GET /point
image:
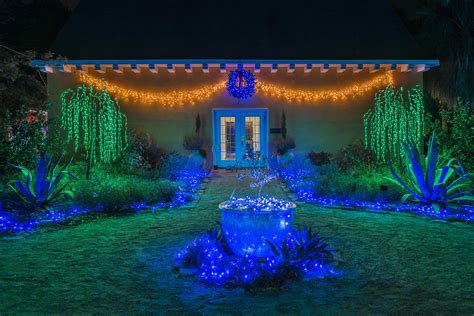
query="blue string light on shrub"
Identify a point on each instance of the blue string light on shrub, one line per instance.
(11, 224)
(302, 187)
(187, 175)
(241, 84)
(213, 262)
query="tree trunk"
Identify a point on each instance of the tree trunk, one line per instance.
(89, 163)
(88, 168)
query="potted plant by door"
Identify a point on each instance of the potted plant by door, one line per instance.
(195, 144)
(285, 145)
(284, 149)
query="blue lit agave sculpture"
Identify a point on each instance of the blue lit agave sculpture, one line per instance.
(241, 84)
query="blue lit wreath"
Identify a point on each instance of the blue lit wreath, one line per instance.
(241, 84)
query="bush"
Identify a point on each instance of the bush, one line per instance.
(178, 167)
(360, 186)
(300, 172)
(455, 132)
(142, 153)
(319, 158)
(193, 142)
(330, 181)
(305, 254)
(117, 191)
(285, 144)
(23, 137)
(355, 155)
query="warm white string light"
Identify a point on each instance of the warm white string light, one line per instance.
(192, 96)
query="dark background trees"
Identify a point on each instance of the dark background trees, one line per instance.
(27, 30)
(444, 28)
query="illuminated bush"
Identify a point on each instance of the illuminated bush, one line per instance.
(214, 263)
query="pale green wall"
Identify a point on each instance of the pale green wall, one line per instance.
(323, 126)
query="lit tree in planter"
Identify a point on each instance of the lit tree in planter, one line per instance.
(396, 119)
(92, 120)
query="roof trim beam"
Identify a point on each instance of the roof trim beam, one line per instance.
(68, 66)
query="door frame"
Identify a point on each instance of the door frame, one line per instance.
(238, 113)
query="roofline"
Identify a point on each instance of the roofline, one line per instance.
(430, 62)
(404, 65)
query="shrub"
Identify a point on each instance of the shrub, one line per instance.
(193, 142)
(432, 185)
(178, 167)
(300, 172)
(117, 192)
(23, 137)
(360, 185)
(40, 191)
(304, 255)
(354, 155)
(304, 246)
(134, 155)
(319, 158)
(142, 152)
(329, 181)
(455, 134)
(285, 144)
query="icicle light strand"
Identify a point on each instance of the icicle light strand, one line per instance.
(174, 98)
(336, 94)
(170, 98)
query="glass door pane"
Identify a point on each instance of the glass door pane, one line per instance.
(227, 135)
(252, 137)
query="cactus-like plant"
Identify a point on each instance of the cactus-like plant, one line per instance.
(430, 184)
(303, 246)
(39, 191)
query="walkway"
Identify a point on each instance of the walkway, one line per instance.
(391, 263)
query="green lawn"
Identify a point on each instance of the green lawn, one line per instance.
(391, 263)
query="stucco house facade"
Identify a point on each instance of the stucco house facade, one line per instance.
(167, 62)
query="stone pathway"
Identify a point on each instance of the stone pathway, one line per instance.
(396, 263)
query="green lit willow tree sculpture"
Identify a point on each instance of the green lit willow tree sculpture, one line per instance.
(93, 121)
(397, 119)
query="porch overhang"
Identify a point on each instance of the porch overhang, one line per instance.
(225, 65)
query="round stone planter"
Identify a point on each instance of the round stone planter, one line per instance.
(246, 231)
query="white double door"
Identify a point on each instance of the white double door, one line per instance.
(238, 136)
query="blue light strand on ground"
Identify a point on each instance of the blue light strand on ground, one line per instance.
(9, 224)
(189, 181)
(216, 266)
(295, 184)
